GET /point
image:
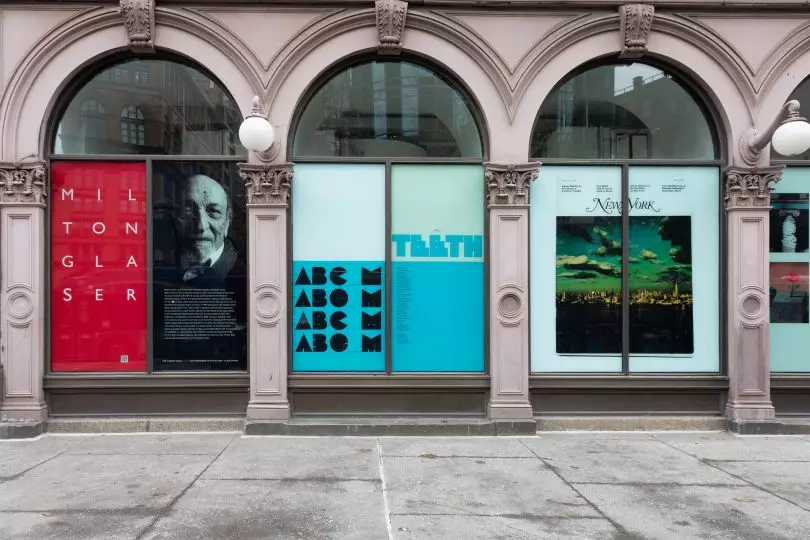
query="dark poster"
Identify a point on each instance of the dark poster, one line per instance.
(589, 285)
(660, 277)
(199, 266)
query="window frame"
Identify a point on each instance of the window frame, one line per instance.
(67, 96)
(715, 126)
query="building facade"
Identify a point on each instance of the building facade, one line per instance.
(489, 215)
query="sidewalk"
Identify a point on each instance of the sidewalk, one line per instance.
(558, 485)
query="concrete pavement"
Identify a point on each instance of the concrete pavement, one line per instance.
(556, 485)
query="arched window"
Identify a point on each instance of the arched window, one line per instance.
(789, 275)
(625, 236)
(133, 127)
(389, 109)
(148, 223)
(623, 111)
(92, 119)
(402, 250)
(158, 96)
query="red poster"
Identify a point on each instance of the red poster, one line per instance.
(98, 266)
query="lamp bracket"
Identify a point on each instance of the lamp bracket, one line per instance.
(753, 141)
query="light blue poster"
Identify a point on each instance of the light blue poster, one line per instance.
(437, 253)
(789, 288)
(338, 273)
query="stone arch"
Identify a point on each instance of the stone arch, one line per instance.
(731, 107)
(39, 80)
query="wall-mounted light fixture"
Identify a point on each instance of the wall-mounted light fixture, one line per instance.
(256, 134)
(789, 134)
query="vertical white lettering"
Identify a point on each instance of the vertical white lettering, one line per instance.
(67, 261)
(131, 262)
(99, 193)
(99, 227)
(98, 264)
(132, 227)
(99, 295)
(131, 198)
(66, 296)
(67, 225)
(131, 295)
(67, 193)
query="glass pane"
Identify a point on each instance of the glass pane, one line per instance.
(674, 269)
(199, 269)
(789, 269)
(148, 99)
(339, 268)
(437, 252)
(631, 111)
(387, 109)
(576, 278)
(98, 266)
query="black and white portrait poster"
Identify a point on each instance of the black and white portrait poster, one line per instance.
(199, 268)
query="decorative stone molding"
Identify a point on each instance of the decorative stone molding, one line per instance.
(267, 185)
(23, 184)
(508, 185)
(636, 22)
(750, 188)
(139, 21)
(390, 25)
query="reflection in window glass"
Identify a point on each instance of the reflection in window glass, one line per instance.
(169, 108)
(630, 111)
(387, 109)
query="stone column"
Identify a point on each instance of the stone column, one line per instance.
(23, 200)
(748, 199)
(268, 194)
(508, 204)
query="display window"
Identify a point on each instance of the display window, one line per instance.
(148, 225)
(388, 252)
(789, 267)
(625, 266)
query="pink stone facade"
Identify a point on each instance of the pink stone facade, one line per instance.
(747, 61)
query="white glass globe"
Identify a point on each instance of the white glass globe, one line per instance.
(792, 138)
(256, 134)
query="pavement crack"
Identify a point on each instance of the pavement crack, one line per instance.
(623, 533)
(169, 506)
(738, 477)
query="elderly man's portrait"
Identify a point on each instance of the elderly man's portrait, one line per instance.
(198, 259)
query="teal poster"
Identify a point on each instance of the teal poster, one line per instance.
(338, 271)
(437, 266)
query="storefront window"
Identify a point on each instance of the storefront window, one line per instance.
(627, 111)
(789, 271)
(388, 258)
(148, 262)
(387, 109)
(169, 99)
(624, 257)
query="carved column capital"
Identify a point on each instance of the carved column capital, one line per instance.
(390, 25)
(508, 184)
(267, 185)
(139, 21)
(636, 22)
(750, 188)
(23, 184)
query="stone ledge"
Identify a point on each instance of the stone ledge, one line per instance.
(631, 423)
(144, 425)
(403, 427)
(21, 430)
